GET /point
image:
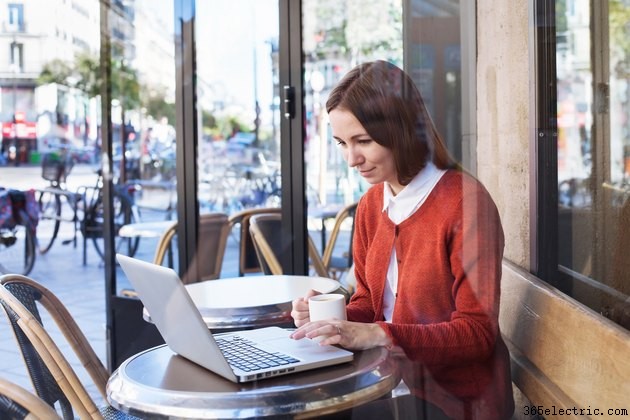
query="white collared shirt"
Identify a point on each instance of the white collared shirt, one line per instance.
(400, 207)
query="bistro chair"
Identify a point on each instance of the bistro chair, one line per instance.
(164, 243)
(265, 234)
(264, 230)
(52, 376)
(19, 403)
(214, 229)
(337, 264)
(248, 261)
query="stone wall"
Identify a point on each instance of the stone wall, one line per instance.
(503, 117)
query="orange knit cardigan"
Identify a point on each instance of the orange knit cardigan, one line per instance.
(445, 318)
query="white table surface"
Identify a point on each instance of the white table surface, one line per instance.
(245, 292)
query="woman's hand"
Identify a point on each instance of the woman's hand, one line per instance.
(350, 335)
(299, 312)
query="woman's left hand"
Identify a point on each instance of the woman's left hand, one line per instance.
(350, 335)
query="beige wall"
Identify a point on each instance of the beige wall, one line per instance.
(503, 117)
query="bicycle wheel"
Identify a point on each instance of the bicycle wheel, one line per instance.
(122, 205)
(49, 220)
(17, 250)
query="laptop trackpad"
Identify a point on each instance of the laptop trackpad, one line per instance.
(277, 339)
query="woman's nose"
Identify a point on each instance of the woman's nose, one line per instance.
(353, 157)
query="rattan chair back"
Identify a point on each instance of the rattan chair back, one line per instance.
(214, 229)
(164, 243)
(54, 379)
(248, 261)
(338, 264)
(265, 232)
(18, 403)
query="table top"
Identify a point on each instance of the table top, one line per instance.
(157, 381)
(145, 229)
(252, 301)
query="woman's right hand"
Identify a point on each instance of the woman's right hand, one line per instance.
(299, 313)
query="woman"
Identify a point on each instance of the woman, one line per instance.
(428, 246)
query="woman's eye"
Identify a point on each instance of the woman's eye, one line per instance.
(365, 141)
(341, 143)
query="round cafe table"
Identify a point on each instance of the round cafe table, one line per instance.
(252, 301)
(157, 383)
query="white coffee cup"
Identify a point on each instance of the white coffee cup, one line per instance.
(325, 307)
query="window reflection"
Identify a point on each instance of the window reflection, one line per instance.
(238, 112)
(335, 39)
(594, 152)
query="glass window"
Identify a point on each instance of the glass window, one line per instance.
(335, 39)
(593, 155)
(238, 124)
(433, 54)
(16, 17)
(424, 40)
(238, 99)
(17, 57)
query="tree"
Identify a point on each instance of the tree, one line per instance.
(56, 71)
(339, 28)
(87, 72)
(125, 85)
(154, 101)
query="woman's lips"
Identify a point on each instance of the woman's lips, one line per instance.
(365, 172)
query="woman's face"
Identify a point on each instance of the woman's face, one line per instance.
(374, 162)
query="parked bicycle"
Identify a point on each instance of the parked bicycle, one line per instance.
(125, 212)
(237, 188)
(55, 168)
(18, 223)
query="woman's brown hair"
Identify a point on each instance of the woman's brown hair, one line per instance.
(389, 106)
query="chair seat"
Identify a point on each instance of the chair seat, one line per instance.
(339, 263)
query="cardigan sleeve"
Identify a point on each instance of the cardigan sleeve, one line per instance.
(475, 249)
(360, 308)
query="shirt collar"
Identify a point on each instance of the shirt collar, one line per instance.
(414, 190)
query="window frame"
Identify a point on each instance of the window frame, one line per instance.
(544, 152)
(592, 291)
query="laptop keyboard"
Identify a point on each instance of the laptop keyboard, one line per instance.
(243, 354)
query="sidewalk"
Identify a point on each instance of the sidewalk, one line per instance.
(81, 288)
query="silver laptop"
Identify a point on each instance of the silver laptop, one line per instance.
(239, 357)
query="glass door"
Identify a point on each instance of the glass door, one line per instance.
(237, 119)
(336, 36)
(134, 199)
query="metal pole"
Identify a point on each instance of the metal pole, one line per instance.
(14, 142)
